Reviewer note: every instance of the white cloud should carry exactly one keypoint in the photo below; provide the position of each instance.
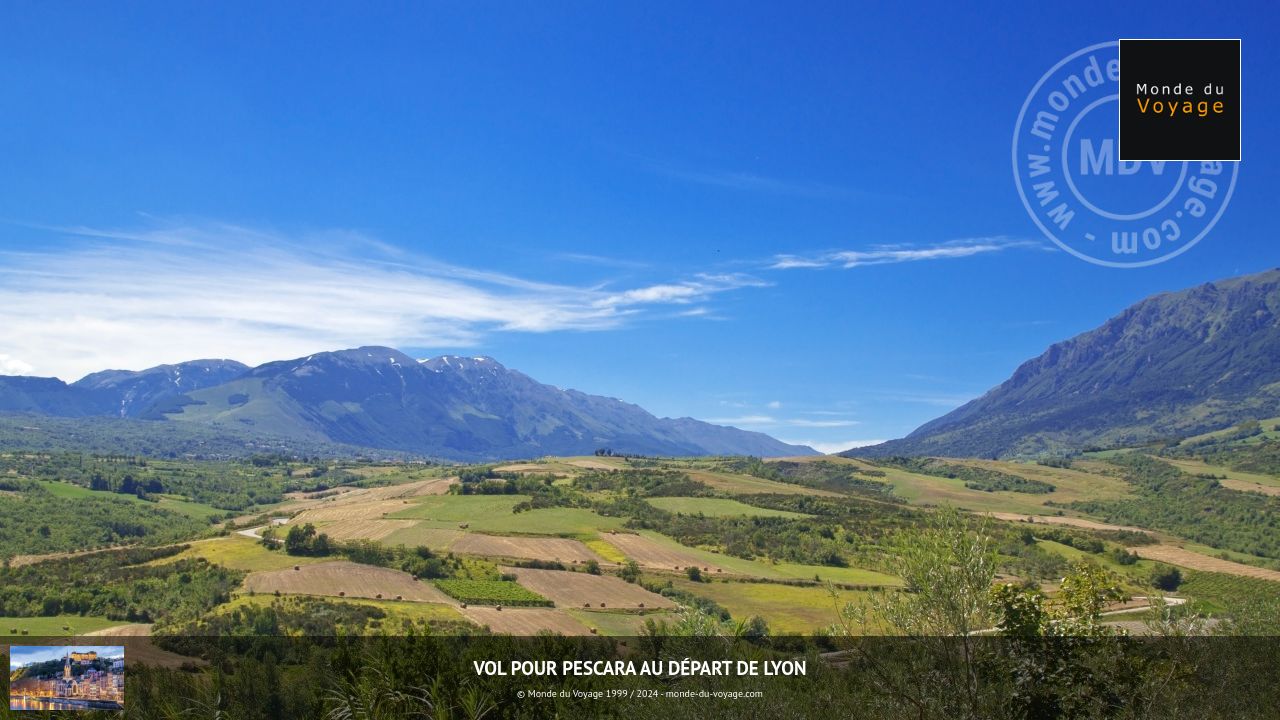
(892, 254)
(13, 366)
(698, 312)
(682, 293)
(827, 448)
(136, 299)
(774, 405)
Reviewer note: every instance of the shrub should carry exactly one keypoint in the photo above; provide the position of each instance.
(1166, 577)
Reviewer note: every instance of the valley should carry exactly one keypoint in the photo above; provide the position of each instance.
(598, 545)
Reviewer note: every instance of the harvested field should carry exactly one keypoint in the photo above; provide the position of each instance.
(434, 486)
(532, 548)
(1060, 520)
(577, 590)
(379, 529)
(289, 507)
(419, 534)
(1194, 560)
(365, 503)
(525, 621)
(319, 494)
(18, 561)
(344, 579)
(136, 640)
(521, 467)
(751, 485)
(1233, 479)
(652, 554)
(597, 464)
(1245, 486)
(348, 510)
(131, 630)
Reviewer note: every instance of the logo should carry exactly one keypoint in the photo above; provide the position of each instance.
(1104, 210)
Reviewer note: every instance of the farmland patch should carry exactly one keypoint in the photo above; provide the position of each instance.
(341, 578)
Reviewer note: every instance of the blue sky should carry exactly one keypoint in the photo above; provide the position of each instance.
(610, 197)
(20, 655)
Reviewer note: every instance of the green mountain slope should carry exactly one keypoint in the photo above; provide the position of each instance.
(1174, 364)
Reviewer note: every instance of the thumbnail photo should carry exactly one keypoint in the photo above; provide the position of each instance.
(66, 677)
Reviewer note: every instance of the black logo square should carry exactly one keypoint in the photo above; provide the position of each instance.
(1179, 100)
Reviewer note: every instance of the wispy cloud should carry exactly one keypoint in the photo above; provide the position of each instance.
(771, 421)
(801, 422)
(698, 312)
(892, 254)
(132, 299)
(753, 182)
(945, 400)
(744, 420)
(601, 260)
(697, 289)
(828, 447)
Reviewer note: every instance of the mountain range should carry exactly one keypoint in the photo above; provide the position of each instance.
(1172, 365)
(456, 408)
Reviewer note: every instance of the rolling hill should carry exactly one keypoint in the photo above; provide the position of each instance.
(1172, 365)
(449, 407)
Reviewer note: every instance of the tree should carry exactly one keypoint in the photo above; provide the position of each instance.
(630, 571)
(1021, 611)
(295, 541)
(948, 567)
(1166, 577)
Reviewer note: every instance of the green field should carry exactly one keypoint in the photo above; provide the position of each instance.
(1221, 592)
(396, 610)
(164, 502)
(1069, 485)
(1268, 432)
(424, 533)
(1239, 557)
(1243, 479)
(716, 507)
(735, 483)
(53, 626)
(605, 550)
(618, 624)
(492, 592)
(782, 570)
(1136, 574)
(238, 552)
(789, 610)
(493, 514)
